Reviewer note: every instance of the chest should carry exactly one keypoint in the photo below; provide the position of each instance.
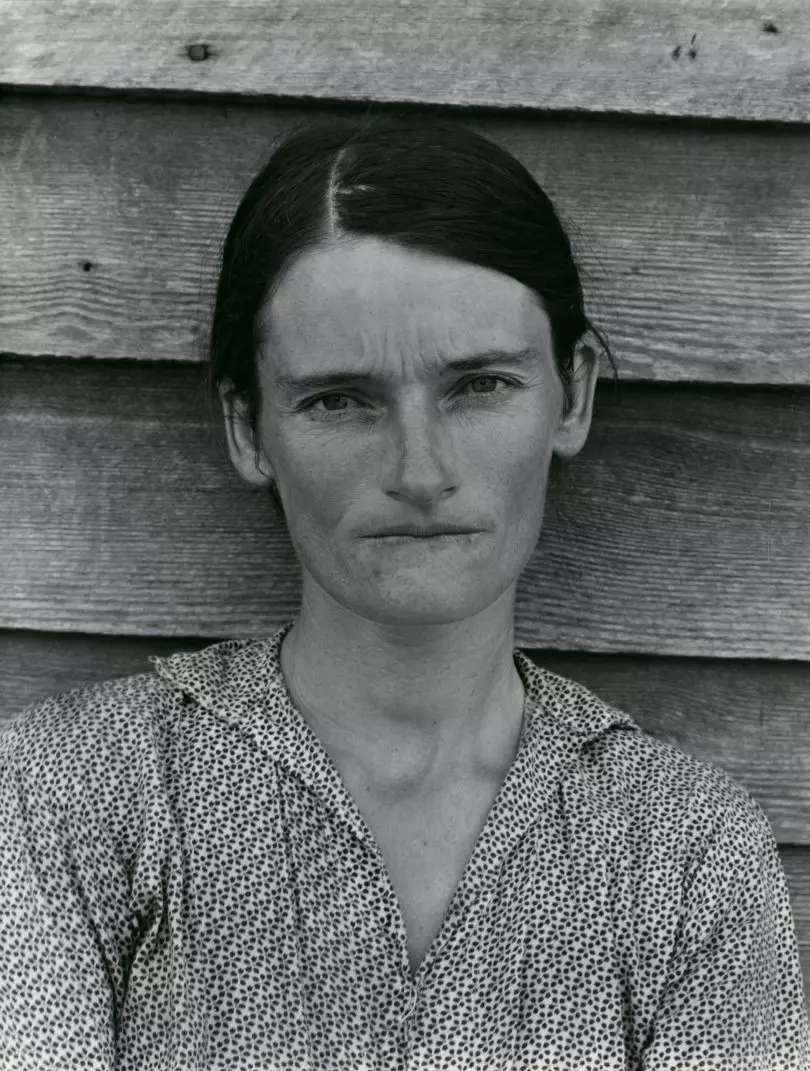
(426, 847)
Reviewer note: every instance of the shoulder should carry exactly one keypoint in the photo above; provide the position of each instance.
(645, 781)
(663, 816)
(70, 744)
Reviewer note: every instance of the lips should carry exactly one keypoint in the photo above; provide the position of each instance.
(426, 532)
(436, 537)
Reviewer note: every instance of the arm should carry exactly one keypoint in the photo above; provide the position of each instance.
(56, 989)
(734, 999)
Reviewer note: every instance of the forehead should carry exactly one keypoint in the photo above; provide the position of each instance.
(358, 295)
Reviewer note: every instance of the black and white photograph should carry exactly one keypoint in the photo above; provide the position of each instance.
(404, 535)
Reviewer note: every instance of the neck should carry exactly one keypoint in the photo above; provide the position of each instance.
(410, 709)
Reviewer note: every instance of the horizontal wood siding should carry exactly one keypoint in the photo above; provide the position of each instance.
(733, 59)
(694, 242)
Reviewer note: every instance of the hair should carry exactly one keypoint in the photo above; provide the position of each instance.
(424, 182)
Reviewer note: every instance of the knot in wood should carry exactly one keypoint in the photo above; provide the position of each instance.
(198, 52)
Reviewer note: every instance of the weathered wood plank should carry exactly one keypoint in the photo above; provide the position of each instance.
(681, 529)
(694, 243)
(651, 58)
(749, 718)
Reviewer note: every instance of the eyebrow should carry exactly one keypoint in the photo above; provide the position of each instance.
(526, 358)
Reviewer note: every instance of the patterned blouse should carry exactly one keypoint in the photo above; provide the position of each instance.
(186, 883)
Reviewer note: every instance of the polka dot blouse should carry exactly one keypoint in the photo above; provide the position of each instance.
(186, 884)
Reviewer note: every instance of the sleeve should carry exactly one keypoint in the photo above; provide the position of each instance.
(56, 986)
(734, 999)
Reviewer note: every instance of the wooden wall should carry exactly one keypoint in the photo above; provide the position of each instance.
(673, 574)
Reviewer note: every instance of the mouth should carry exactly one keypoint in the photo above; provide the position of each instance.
(438, 537)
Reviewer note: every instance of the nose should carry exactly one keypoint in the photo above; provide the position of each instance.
(419, 459)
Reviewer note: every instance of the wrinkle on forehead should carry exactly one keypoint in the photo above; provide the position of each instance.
(376, 302)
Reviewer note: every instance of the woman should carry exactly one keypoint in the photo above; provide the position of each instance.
(382, 837)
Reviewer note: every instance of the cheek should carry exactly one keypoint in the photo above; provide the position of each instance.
(318, 501)
(314, 478)
(522, 492)
(522, 467)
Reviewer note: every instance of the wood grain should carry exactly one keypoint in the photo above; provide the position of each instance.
(681, 529)
(749, 718)
(653, 58)
(694, 243)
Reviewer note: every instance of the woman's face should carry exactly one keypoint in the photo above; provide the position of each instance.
(418, 442)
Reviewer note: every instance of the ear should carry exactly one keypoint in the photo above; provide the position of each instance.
(576, 423)
(241, 441)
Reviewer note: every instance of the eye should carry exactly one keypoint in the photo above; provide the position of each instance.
(326, 413)
(499, 379)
